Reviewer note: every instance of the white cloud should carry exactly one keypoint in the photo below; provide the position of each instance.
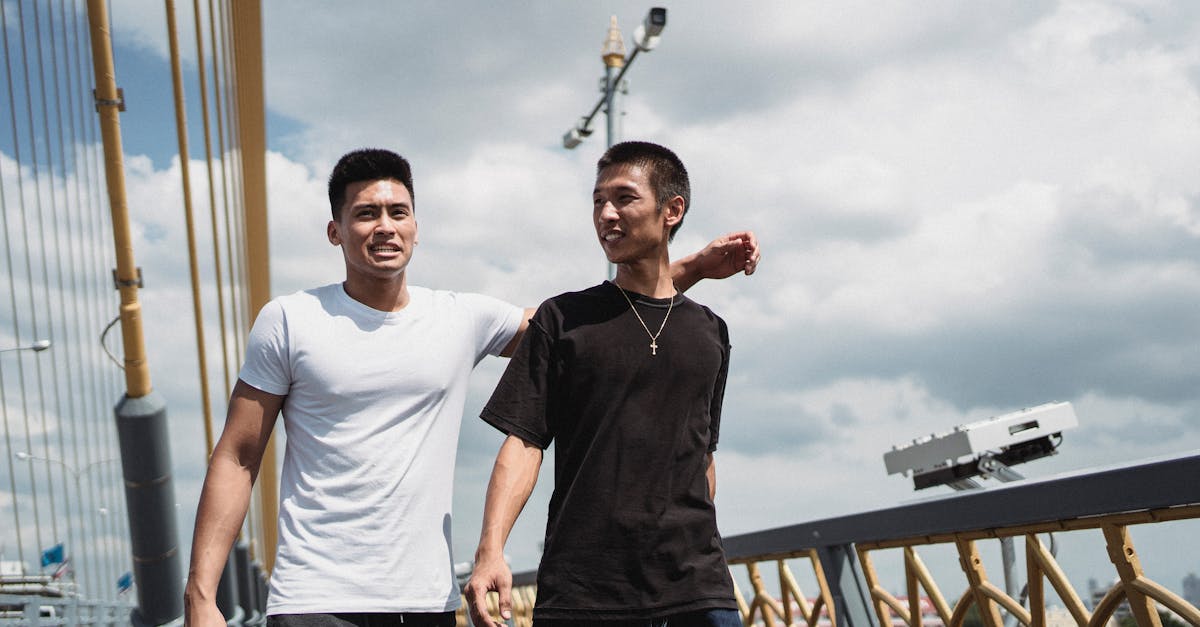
(963, 212)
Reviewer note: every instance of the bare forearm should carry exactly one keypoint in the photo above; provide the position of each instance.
(225, 496)
(684, 273)
(512, 481)
(224, 501)
(513, 478)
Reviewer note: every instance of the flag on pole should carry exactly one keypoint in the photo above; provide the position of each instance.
(63, 569)
(125, 582)
(52, 555)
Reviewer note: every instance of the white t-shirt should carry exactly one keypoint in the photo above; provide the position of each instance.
(373, 410)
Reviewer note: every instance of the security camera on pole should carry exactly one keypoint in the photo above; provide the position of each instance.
(612, 85)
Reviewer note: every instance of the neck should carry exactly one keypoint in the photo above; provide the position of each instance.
(651, 277)
(378, 294)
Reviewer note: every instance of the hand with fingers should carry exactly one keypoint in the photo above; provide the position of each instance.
(489, 575)
(729, 254)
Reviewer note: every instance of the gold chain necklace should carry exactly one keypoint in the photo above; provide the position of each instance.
(653, 336)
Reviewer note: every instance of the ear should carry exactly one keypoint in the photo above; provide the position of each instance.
(673, 212)
(331, 231)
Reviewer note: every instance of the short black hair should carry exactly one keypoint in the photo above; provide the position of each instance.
(667, 175)
(366, 164)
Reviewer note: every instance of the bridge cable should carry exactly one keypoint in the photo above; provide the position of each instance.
(75, 383)
(87, 563)
(185, 174)
(48, 453)
(102, 252)
(253, 520)
(219, 106)
(37, 525)
(65, 420)
(52, 311)
(93, 288)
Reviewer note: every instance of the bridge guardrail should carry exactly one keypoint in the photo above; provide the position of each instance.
(1106, 500)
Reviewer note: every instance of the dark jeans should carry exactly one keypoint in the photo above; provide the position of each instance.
(699, 618)
(409, 619)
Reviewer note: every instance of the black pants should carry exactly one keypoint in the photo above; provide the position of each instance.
(698, 618)
(396, 619)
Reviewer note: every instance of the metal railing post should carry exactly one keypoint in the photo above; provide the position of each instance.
(851, 599)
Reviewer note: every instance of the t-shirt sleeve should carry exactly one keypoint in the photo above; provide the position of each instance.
(267, 366)
(718, 396)
(521, 402)
(494, 322)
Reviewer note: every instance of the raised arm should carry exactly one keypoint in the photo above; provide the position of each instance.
(721, 258)
(513, 478)
(226, 496)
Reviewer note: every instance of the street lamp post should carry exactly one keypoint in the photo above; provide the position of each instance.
(77, 474)
(37, 347)
(612, 85)
(615, 65)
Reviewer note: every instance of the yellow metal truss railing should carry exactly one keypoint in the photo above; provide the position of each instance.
(1143, 595)
(788, 605)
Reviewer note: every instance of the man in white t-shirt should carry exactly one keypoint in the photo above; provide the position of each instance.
(370, 376)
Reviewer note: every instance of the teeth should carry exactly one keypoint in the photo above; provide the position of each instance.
(608, 237)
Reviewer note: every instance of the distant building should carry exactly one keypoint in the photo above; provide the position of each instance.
(1191, 589)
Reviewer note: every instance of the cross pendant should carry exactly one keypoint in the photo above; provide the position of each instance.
(653, 347)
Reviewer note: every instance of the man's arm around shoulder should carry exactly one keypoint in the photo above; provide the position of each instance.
(720, 259)
(226, 496)
(513, 478)
(511, 347)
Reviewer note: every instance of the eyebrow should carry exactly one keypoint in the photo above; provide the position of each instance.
(368, 204)
(623, 187)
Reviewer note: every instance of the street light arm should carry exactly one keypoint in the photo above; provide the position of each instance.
(646, 38)
(575, 135)
(88, 467)
(29, 457)
(37, 346)
(587, 120)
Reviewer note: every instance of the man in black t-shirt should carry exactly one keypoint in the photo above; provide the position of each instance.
(626, 379)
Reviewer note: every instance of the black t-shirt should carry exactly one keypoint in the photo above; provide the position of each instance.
(631, 531)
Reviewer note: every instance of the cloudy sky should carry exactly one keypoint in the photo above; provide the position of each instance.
(965, 209)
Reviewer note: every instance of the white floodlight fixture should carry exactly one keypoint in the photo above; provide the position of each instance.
(572, 138)
(649, 32)
(575, 136)
(1010, 439)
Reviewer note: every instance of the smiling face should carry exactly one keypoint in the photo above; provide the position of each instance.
(625, 211)
(377, 230)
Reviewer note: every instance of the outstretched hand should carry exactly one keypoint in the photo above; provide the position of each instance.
(729, 254)
(489, 575)
(721, 258)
